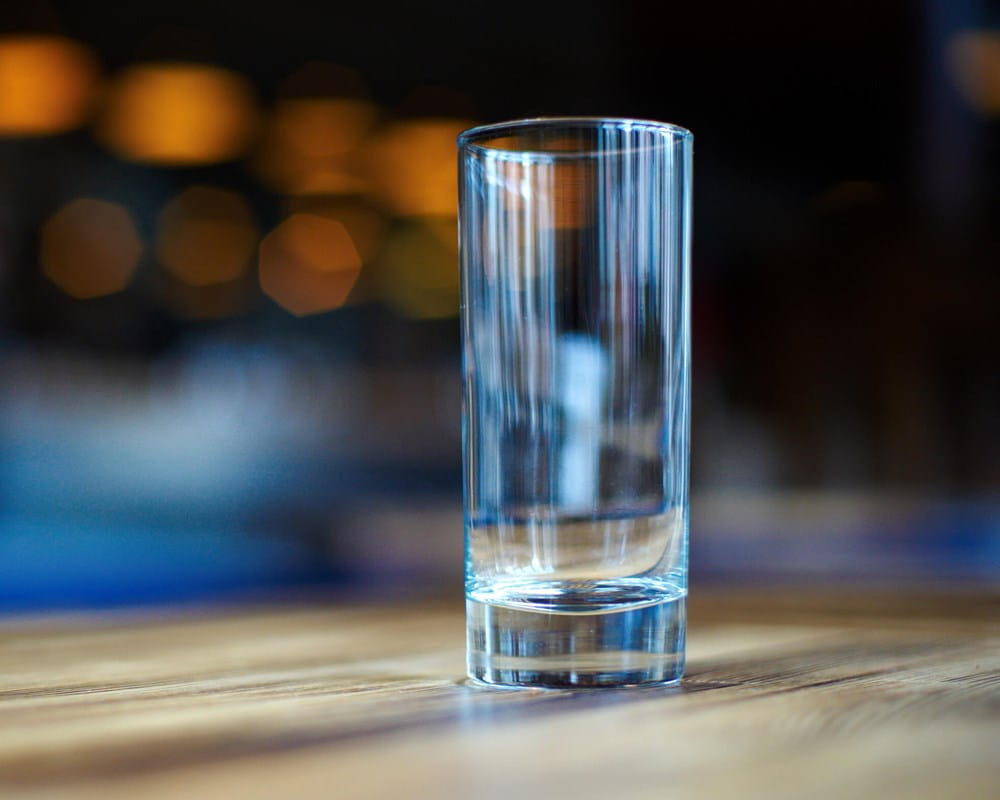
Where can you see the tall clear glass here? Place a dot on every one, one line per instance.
(574, 249)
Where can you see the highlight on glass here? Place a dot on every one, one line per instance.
(575, 239)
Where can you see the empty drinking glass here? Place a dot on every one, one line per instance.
(575, 248)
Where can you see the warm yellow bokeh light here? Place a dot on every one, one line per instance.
(571, 191)
(415, 166)
(557, 195)
(318, 127)
(309, 147)
(365, 225)
(974, 63)
(179, 114)
(319, 244)
(418, 269)
(206, 236)
(308, 264)
(90, 248)
(47, 84)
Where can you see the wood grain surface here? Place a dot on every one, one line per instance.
(788, 694)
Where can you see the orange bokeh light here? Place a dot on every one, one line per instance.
(309, 147)
(47, 84)
(206, 236)
(179, 114)
(308, 264)
(365, 225)
(320, 127)
(90, 248)
(415, 167)
(559, 195)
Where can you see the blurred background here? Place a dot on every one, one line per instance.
(229, 357)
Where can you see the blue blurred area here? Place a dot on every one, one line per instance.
(57, 563)
(844, 537)
(225, 471)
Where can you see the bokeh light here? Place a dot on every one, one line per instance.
(310, 144)
(308, 264)
(415, 167)
(418, 269)
(321, 127)
(560, 191)
(47, 84)
(206, 236)
(179, 114)
(90, 248)
(363, 222)
(570, 189)
(974, 62)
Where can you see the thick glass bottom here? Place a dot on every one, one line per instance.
(573, 644)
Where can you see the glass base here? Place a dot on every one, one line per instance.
(625, 646)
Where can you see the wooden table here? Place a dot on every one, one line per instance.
(788, 694)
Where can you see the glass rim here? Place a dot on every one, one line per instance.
(469, 139)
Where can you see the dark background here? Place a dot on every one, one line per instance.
(164, 442)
